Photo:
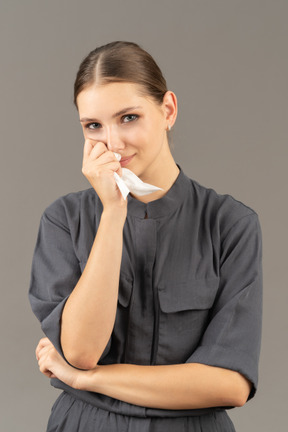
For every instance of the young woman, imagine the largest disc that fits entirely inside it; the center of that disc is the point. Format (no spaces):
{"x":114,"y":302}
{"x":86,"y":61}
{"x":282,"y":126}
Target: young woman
{"x":152,"y":304}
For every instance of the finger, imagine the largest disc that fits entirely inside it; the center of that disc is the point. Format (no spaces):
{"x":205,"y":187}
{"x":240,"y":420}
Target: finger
{"x":44,"y":359}
{"x":41,"y":344}
{"x":41,"y":352}
{"x":45,"y":350}
{"x":90,"y":145}
{"x":105,"y":163}
{"x":103,"y":168}
{"x":44,"y":370}
{"x":99,"y":151}
{"x":104,"y":157}
{"x":119,"y":171}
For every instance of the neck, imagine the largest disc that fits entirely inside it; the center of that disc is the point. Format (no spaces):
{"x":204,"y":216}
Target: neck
{"x":163,"y":178}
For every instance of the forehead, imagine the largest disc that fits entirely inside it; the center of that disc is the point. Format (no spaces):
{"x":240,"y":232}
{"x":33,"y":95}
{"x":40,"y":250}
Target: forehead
{"x":111,"y":97}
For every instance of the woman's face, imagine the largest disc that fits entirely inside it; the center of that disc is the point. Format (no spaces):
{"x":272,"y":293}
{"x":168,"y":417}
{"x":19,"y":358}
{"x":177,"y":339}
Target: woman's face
{"x":128,"y":123}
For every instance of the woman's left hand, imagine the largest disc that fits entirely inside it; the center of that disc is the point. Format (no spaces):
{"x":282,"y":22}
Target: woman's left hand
{"x":52,"y":364}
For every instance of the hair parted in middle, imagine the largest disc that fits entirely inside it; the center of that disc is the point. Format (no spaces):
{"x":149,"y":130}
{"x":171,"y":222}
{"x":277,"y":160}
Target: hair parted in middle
{"x":121,"y":61}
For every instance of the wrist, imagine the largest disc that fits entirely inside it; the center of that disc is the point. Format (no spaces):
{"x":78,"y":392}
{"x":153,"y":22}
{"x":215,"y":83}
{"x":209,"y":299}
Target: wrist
{"x":83,"y":380}
{"x":114,"y":214}
{"x":86,"y":380}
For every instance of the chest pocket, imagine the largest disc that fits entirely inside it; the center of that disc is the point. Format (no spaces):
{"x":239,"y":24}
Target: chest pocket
{"x":184,"y":309}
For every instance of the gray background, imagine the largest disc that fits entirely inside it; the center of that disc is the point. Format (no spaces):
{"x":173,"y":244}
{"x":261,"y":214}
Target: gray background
{"x":227,"y":62}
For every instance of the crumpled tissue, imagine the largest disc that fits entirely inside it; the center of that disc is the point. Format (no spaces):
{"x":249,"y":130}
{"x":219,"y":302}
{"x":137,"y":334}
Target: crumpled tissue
{"x":129,"y":182}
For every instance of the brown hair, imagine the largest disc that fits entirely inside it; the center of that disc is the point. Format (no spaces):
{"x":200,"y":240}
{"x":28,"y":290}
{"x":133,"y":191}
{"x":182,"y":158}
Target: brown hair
{"x":121,"y":62}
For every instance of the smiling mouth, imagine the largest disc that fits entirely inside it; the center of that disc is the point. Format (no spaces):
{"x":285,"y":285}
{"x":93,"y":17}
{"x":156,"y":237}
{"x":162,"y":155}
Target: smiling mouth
{"x":126,"y":160}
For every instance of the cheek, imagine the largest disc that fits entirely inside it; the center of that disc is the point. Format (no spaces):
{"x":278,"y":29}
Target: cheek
{"x":144,"y":136}
{"x":136,"y":136}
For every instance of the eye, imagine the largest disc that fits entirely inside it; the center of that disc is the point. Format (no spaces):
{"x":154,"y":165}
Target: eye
{"x":129,"y":118}
{"x":93,"y":126}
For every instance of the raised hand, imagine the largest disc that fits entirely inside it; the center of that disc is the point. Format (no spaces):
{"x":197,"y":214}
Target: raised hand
{"x":99,"y":165}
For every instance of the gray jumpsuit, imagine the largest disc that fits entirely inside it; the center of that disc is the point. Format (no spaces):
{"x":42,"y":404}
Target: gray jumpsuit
{"x":190,"y":291}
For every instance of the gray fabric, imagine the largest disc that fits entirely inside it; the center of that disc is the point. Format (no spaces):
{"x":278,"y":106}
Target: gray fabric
{"x":190,"y":287}
{"x":73,"y":415}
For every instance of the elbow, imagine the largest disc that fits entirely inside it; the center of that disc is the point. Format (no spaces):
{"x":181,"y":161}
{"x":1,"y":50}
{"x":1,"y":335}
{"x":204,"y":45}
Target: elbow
{"x":240,"y":400}
{"x":81,"y":357}
{"x":234,"y":399}
{"x":83,"y":361}
{"x":242,"y":391}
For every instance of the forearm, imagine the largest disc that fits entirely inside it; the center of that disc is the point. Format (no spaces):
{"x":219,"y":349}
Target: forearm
{"x":89,"y":313}
{"x":183,"y":386}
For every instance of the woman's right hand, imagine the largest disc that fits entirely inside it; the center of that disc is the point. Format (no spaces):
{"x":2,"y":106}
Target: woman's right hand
{"x":99,"y":165}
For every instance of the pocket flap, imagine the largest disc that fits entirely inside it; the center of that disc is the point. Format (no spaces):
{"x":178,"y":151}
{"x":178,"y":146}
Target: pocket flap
{"x":125,"y":290}
{"x":193,"y":294}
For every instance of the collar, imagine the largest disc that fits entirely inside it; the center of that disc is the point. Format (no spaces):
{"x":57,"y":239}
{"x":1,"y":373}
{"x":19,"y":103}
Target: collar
{"x":165,"y":205}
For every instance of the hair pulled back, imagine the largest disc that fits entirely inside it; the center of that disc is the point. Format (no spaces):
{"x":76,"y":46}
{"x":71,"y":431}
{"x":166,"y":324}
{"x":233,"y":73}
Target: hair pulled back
{"x":121,"y":62}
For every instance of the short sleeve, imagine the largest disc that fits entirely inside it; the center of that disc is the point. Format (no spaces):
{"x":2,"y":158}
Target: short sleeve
{"x":55,"y":272}
{"x":233,"y":336}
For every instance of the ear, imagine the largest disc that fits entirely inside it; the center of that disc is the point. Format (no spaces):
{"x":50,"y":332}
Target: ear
{"x":170,"y":108}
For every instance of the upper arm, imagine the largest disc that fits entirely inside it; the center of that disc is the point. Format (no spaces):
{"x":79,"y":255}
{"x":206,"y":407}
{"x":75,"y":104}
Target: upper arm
{"x":55,"y":272}
{"x":233,"y":335}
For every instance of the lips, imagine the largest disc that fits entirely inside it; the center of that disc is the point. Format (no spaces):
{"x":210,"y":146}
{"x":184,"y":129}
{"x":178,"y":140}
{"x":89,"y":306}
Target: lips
{"x":126,"y":160}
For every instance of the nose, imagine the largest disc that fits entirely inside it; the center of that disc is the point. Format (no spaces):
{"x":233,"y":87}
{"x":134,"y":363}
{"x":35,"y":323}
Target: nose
{"x":113,"y":140}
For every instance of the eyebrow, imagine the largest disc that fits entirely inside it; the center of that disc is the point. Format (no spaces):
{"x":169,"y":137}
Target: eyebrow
{"x":117,"y":114}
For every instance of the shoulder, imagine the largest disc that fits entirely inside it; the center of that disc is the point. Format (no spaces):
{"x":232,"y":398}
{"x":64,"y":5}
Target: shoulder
{"x":222,"y":210}
{"x":67,"y":209}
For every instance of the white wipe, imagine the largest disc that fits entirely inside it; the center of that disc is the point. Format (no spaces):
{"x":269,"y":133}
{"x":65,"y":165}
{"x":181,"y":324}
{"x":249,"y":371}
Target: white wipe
{"x":129,"y":182}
